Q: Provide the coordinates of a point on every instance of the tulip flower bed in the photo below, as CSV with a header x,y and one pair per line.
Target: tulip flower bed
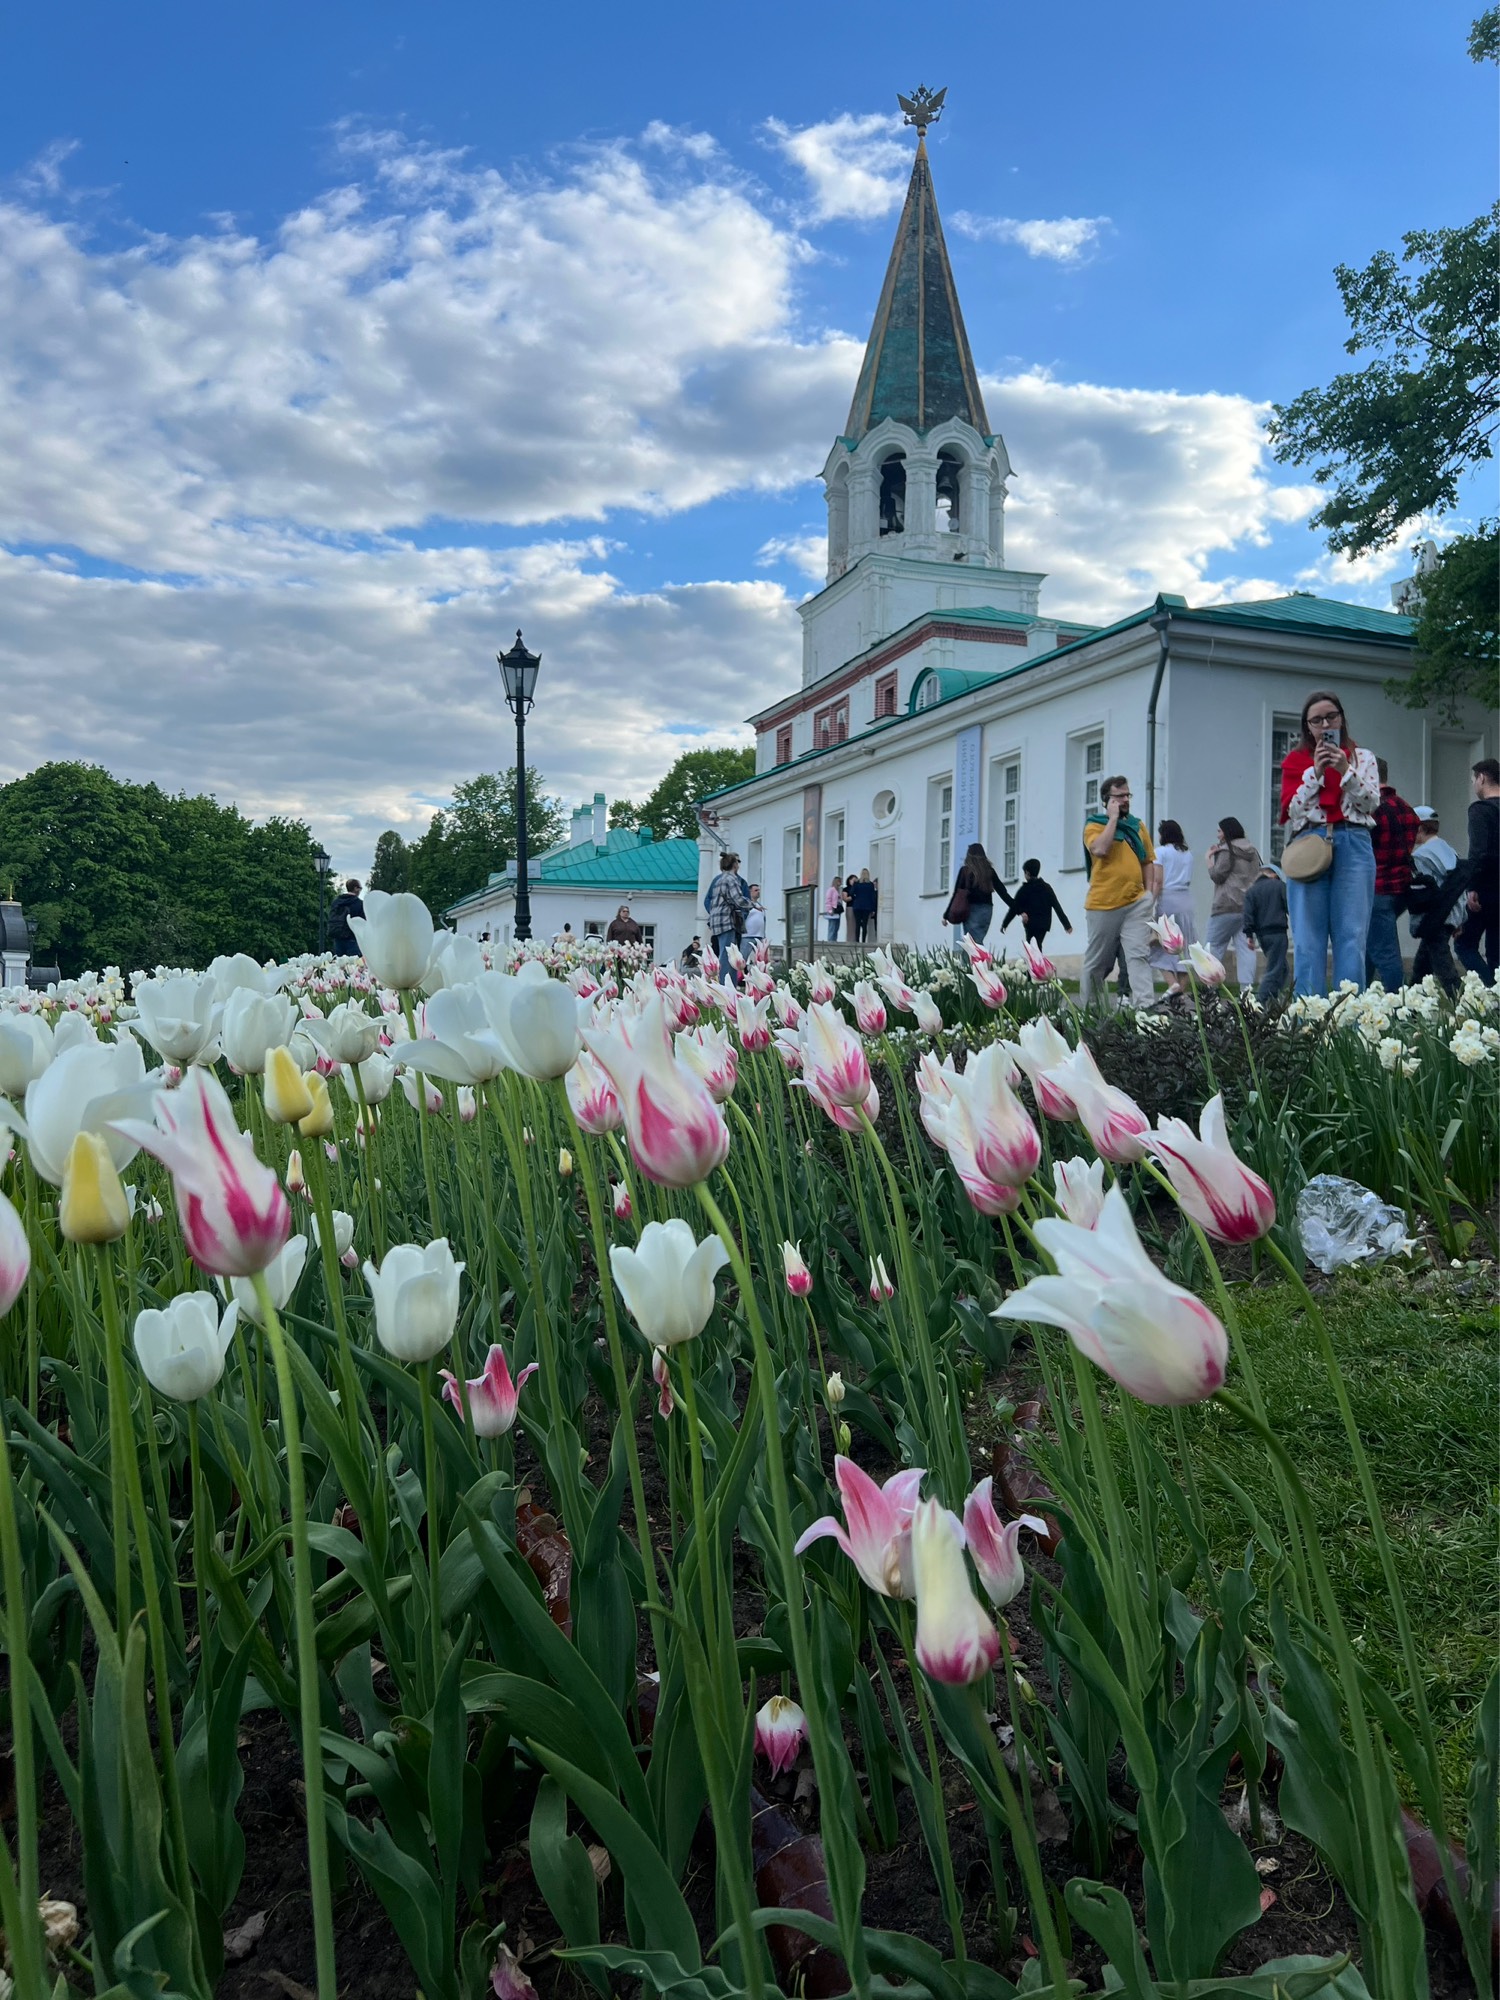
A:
x,y
550,1411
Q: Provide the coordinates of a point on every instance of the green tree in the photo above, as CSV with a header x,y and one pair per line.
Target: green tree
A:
x,y
391,868
476,836
668,810
1457,644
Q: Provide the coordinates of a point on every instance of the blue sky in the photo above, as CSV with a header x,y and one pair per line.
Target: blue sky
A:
x,y
348,337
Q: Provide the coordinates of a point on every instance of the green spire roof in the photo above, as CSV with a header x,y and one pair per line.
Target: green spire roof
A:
x,y
918,368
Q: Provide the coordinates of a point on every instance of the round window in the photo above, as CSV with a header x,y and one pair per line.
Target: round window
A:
x,y
884,807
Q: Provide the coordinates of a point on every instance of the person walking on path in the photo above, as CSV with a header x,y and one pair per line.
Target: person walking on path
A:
x,y
341,940
971,907
833,908
865,898
1123,878
1436,902
1481,925
1264,920
1035,903
1393,837
728,901
1329,791
1233,864
1174,899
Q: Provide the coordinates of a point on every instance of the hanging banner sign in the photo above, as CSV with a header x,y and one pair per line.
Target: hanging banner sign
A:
x,y
966,762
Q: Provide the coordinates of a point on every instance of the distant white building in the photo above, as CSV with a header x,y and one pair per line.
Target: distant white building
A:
x,y
940,705
583,881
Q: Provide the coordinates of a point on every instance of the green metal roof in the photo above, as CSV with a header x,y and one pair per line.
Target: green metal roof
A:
x,y
629,862
952,682
1301,611
917,366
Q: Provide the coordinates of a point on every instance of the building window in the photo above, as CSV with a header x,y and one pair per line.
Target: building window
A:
x,y
784,744
939,833
929,690
1084,769
791,856
648,939
1286,734
885,696
831,725
833,844
754,858
1006,817
1093,767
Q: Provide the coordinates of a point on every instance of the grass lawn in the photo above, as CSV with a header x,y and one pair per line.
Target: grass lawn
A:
x,y
1419,1358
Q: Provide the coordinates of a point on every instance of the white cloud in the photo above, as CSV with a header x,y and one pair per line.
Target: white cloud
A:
x,y
1066,239
856,164
807,552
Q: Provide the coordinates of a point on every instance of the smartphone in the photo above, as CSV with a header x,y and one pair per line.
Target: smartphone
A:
x,y
1333,737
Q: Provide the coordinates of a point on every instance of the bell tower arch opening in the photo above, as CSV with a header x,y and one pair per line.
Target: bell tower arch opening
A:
x,y
950,484
893,494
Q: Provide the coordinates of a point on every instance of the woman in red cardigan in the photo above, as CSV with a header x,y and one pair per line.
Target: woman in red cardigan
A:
x,y
1328,781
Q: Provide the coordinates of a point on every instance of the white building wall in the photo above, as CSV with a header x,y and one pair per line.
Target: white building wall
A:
x,y
675,915
883,593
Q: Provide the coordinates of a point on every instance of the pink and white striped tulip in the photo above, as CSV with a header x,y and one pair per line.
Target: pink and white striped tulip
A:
x,y
877,1539
1080,1190
935,1081
992,1544
1156,1340
788,1013
1213,1185
751,1024
929,1014
234,1215
820,985
833,1056
592,1096
1038,964
976,953
1205,968
880,1284
676,1132
987,983
956,1638
989,1196
661,1375
846,1118
710,1055
798,1277
780,1731
869,1009
1005,1143
623,1206
1115,1123
1042,1052
1168,933
493,1396
15,1256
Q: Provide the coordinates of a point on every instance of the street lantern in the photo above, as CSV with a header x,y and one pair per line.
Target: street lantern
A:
x,y
324,867
518,671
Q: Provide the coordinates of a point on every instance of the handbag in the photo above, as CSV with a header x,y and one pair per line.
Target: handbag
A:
x,y
958,904
1309,855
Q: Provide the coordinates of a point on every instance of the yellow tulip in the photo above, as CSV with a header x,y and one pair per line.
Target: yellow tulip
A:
x,y
93,1207
286,1093
318,1119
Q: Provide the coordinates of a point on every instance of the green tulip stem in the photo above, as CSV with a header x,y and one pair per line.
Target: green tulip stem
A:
x,y
365,1140
122,1444
307,1648
19,1900
947,1880
623,1395
202,1527
429,1390
424,1135
315,1168
1026,1853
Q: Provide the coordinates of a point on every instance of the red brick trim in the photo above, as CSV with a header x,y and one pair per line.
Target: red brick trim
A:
x,y
936,628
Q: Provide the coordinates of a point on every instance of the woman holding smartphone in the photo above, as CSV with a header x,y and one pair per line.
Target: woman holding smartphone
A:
x,y
1330,789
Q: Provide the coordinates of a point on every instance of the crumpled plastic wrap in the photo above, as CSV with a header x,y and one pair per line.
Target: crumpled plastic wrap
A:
x,y
1342,1223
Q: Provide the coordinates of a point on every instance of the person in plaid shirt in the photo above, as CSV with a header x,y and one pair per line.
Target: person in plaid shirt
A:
x,y
1393,837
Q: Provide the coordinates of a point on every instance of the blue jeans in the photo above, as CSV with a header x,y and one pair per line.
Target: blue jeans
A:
x,y
1273,944
976,924
834,921
1383,946
725,942
1334,910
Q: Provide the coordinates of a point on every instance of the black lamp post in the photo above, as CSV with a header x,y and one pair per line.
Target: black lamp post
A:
x,y
518,670
324,866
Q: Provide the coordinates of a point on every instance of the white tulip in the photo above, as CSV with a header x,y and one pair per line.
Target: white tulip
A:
x,y
181,1347
254,1024
416,1299
348,1034
74,1030
377,1073
81,1091
535,1019
240,972
178,1016
459,1044
667,1281
25,1051
343,1231
396,936
281,1276
455,961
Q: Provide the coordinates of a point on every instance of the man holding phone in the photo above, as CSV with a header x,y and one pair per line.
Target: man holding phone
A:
x,y
1124,878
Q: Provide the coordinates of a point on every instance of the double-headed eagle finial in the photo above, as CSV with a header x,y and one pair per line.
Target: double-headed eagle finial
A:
x,y
923,108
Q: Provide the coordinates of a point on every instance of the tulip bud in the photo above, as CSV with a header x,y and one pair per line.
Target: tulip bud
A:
x,y
296,1180
834,1394
622,1203
564,1162
330,1151
880,1284
319,1119
661,1375
15,1256
842,1436
780,1728
798,1277
93,1208
468,1104
286,1094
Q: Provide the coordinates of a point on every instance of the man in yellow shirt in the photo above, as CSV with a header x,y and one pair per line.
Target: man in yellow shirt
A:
x,y
1124,878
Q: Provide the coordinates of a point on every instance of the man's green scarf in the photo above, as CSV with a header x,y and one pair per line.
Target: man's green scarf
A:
x,y
1128,828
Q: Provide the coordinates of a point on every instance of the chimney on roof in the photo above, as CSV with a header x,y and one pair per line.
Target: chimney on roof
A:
x,y
601,821
582,828
645,835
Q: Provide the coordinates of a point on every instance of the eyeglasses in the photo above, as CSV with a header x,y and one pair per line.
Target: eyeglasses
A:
x,y
1328,715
